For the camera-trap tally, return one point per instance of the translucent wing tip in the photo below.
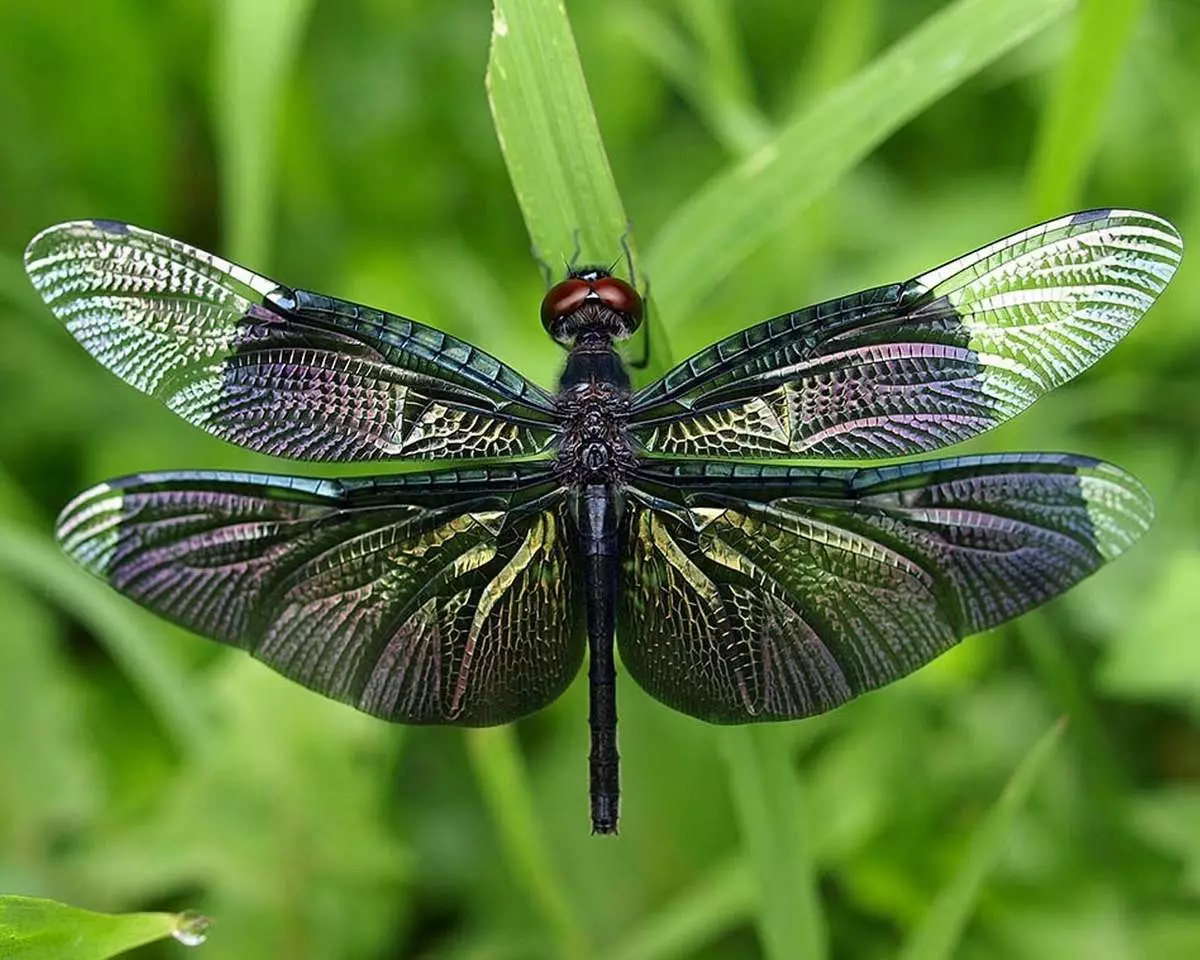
(88, 528)
(1120, 508)
(1150, 235)
(1138, 238)
(41, 251)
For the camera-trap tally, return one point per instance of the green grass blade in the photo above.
(770, 812)
(549, 135)
(258, 41)
(551, 142)
(842, 42)
(937, 936)
(1071, 127)
(35, 929)
(734, 120)
(719, 902)
(713, 24)
(40, 564)
(505, 782)
(728, 219)
(724, 76)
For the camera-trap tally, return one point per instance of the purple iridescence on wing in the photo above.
(280, 371)
(767, 593)
(911, 367)
(393, 594)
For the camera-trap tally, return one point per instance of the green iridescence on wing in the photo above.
(747, 591)
(911, 367)
(284, 372)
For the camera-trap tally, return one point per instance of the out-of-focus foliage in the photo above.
(144, 769)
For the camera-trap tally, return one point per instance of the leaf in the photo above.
(938, 934)
(115, 622)
(501, 770)
(549, 135)
(287, 824)
(258, 42)
(717, 903)
(1157, 656)
(771, 816)
(47, 780)
(1071, 127)
(551, 143)
(737, 210)
(716, 87)
(35, 929)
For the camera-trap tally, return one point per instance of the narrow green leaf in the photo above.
(734, 120)
(551, 143)
(724, 76)
(771, 816)
(113, 620)
(47, 777)
(713, 24)
(719, 902)
(1071, 126)
(840, 45)
(258, 41)
(549, 134)
(34, 929)
(937, 936)
(735, 212)
(501, 771)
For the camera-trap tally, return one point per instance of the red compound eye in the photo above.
(563, 298)
(620, 296)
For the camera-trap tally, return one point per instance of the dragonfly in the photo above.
(703, 525)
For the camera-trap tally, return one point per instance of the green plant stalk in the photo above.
(734, 120)
(258, 42)
(937, 936)
(769, 806)
(737, 210)
(1071, 125)
(504, 779)
(165, 687)
(722, 900)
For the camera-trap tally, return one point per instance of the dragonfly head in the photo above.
(591, 300)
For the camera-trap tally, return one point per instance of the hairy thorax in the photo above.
(594, 445)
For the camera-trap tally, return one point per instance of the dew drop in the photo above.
(191, 929)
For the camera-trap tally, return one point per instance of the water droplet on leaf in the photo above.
(191, 929)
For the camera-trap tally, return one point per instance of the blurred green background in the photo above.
(347, 147)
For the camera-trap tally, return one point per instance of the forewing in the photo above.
(911, 367)
(768, 593)
(281, 371)
(450, 597)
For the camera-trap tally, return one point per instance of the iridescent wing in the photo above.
(281, 371)
(914, 366)
(767, 593)
(450, 597)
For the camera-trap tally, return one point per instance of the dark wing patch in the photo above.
(281, 371)
(449, 597)
(769, 593)
(911, 367)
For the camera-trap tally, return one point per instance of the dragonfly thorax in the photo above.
(594, 445)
